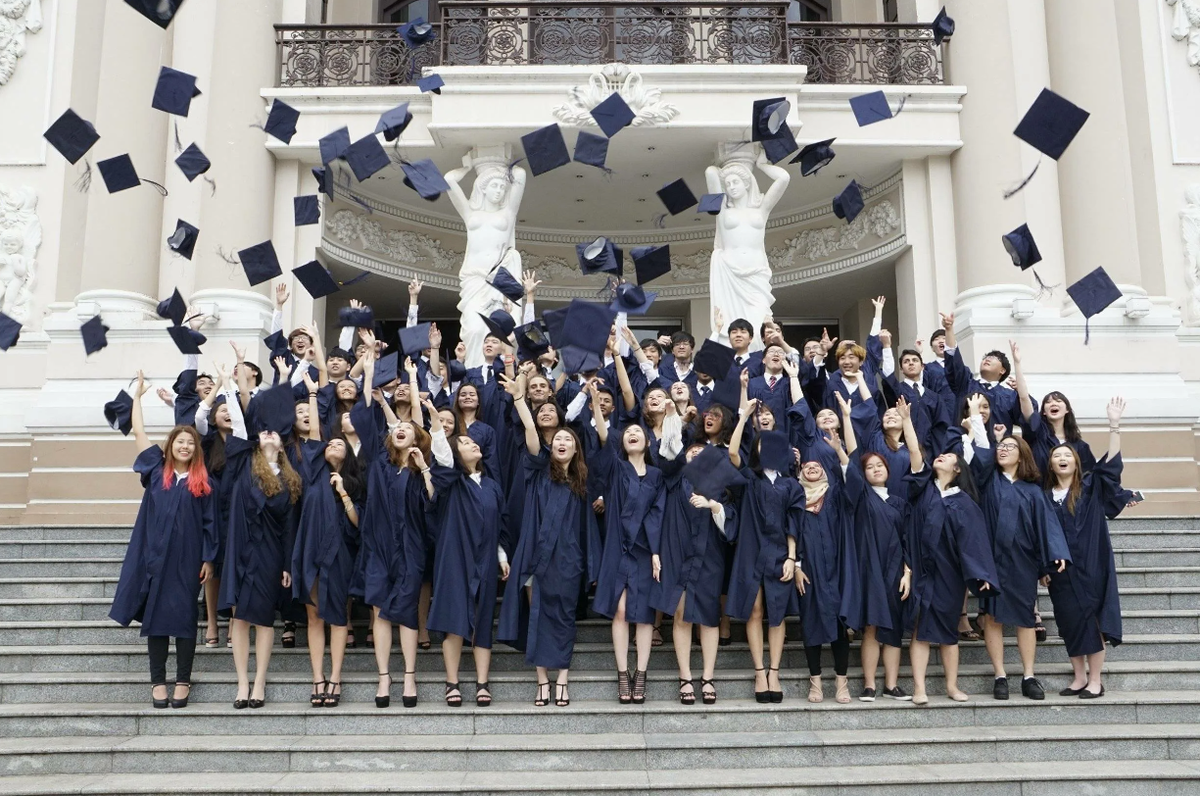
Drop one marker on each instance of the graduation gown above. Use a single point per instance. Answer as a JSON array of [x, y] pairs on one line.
[[767, 515], [1087, 607], [1026, 541], [557, 553], [694, 552], [175, 533], [471, 519], [393, 528], [326, 541], [825, 551], [222, 484], [878, 528], [949, 551], [633, 515]]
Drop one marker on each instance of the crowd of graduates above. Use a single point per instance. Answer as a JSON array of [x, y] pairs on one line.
[[746, 479]]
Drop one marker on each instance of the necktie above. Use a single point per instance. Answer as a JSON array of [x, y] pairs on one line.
[[771, 383]]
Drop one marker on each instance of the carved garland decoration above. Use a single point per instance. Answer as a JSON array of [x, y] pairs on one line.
[[646, 103]]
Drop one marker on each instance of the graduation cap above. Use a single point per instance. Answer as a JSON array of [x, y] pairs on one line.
[[532, 341], [456, 370], [260, 262], [417, 32], [545, 149], [432, 83], [711, 473], [192, 162], [281, 121], [677, 196], [599, 255], [1051, 124], [727, 392], [943, 26], [814, 157], [307, 209], [585, 334], [119, 413], [324, 178], [503, 280], [415, 339], [591, 149], [1021, 248], [10, 332], [782, 145], [276, 343], [554, 320], [887, 394], [315, 279], [187, 340], [386, 369], [334, 145], [173, 309], [183, 239], [632, 299], [1094, 292], [160, 12], [425, 178], [71, 135], [118, 173], [769, 117], [500, 324], [870, 108], [274, 409], [711, 203], [95, 335], [613, 115], [714, 360], [651, 262], [849, 203], [174, 91], [358, 317], [393, 122], [366, 157], [774, 452]]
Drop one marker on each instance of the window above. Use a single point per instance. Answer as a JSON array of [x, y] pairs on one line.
[[406, 11], [891, 12], [808, 11]]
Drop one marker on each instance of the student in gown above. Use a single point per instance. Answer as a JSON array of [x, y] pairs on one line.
[[557, 552], [326, 543], [1027, 543], [1087, 606], [469, 509], [949, 550], [170, 553], [399, 483], [764, 561]]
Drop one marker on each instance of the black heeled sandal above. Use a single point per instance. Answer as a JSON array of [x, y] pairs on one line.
[[181, 703], [561, 697], [538, 700], [762, 697], [331, 699], [453, 700], [689, 698], [483, 700], [776, 696], [384, 701], [424, 644], [656, 636], [639, 687], [709, 699], [288, 641], [410, 701], [624, 695], [318, 695], [160, 704]]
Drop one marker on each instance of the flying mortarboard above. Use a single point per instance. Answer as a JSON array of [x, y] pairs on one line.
[[366, 157], [118, 413], [711, 473], [386, 369], [585, 336], [814, 157], [727, 392], [774, 452], [613, 115], [943, 26], [545, 149], [432, 83], [714, 360], [187, 340], [392, 123], [677, 196], [769, 117], [711, 203], [554, 320], [870, 108], [315, 279], [532, 341], [95, 335], [781, 145], [274, 409], [260, 263], [417, 32], [849, 203], [1051, 124], [591, 149], [183, 239], [599, 255], [1021, 247], [334, 145], [173, 309], [358, 317], [174, 91], [415, 339], [118, 173], [632, 299], [503, 280], [1092, 295], [71, 135], [424, 177], [324, 178], [281, 121], [10, 332], [500, 324], [160, 12], [307, 209], [192, 162], [651, 262]]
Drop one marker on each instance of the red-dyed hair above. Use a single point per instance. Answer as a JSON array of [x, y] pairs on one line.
[[197, 473]]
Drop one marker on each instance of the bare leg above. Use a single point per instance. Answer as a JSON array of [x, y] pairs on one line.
[[891, 666], [993, 639], [239, 633], [408, 647], [337, 650], [264, 639], [451, 655], [483, 663], [644, 637], [710, 639], [870, 656], [775, 637], [1095, 669], [724, 625], [681, 638], [620, 636], [316, 645], [918, 656], [964, 624], [754, 638], [423, 612], [381, 629], [949, 656], [1081, 678], [1027, 646], [212, 590]]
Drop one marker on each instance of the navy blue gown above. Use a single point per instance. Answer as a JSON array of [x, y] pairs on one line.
[[326, 541], [471, 519], [392, 525], [222, 484], [878, 528], [825, 551], [1087, 607], [175, 533], [557, 553], [258, 547], [633, 516], [768, 515]]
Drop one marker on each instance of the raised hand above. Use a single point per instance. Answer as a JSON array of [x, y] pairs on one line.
[[335, 481], [460, 351], [1016, 352], [308, 382], [627, 333], [827, 342], [919, 344], [281, 367], [414, 290], [885, 338], [410, 367], [531, 283], [947, 320], [281, 295], [718, 318], [664, 340], [1115, 410], [418, 458], [142, 386], [999, 430], [843, 403], [744, 377], [238, 351], [165, 396], [196, 318], [902, 407], [975, 402], [791, 370], [435, 336], [879, 301]]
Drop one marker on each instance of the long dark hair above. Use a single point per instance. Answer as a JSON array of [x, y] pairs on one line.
[[558, 413], [1027, 469], [1070, 427], [963, 479], [458, 462], [350, 471], [726, 430], [460, 427], [1076, 488], [574, 475], [964, 411]]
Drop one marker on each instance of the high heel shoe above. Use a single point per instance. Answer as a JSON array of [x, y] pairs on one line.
[[562, 697], [776, 696], [538, 700], [815, 694], [709, 699], [483, 700], [639, 687], [255, 704], [384, 701], [331, 699], [285, 640], [623, 687], [688, 698], [842, 696], [409, 701], [762, 697], [453, 700], [160, 704], [318, 695], [181, 703]]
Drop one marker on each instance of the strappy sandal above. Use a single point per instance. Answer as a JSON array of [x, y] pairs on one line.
[[288, 639], [453, 700], [656, 638], [688, 698], [483, 700], [968, 635], [212, 642], [317, 700], [332, 700], [843, 690], [776, 696], [762, 697], [561, 697], [639, 686], [624, 694], [709, 699], [539, 701], [815, 693], [1039, 630], [424, 644]]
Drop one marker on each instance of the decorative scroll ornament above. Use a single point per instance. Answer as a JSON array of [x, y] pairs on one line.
[[818, 244], [17, 17], [1185, 26], [20, 237], [1189, 220], [401, 246], [645, 102]]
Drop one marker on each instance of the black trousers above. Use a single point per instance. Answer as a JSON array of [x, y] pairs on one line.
[[185, 653], [841, 655]]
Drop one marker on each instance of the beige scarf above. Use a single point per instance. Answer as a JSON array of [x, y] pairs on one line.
[[814, 493]]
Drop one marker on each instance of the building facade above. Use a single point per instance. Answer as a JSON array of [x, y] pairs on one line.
[[1125, 196]]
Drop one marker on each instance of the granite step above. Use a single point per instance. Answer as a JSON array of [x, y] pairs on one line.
[[63, 548], [114, 533]]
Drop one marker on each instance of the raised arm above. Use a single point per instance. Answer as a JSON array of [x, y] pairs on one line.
[[368, 363], [1022, 386], [948, 325], [414, 390], [1116, 408], [314, 423], [916, 460], [516, 388], [243, 376], [739, 430], [795, 389], [135, 419], [847, 425], [457, 197], [779, 182], [627, 396], [318, 350], [712, 179]]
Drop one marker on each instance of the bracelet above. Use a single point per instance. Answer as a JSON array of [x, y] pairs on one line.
[[312, 395], [1115, 429], [789, 558], [425, 471]]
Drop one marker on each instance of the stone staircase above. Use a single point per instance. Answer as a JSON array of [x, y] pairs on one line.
[[75, 714]]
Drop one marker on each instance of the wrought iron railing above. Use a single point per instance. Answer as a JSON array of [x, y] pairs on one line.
[[477, 33]]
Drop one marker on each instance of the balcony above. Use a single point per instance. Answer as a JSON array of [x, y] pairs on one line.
[[569, 32]]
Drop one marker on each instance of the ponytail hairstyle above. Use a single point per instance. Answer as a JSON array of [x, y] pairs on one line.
[[197, 473]]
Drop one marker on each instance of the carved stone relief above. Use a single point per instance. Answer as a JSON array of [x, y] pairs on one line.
[[403, 246], [20, 238], [818, 244], [1185, 26], [645, 102], [17, 18]]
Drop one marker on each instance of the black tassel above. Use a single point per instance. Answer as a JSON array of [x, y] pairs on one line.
[[229, 258], [161, 190], [1044, 290], [356, 279], [178, 143], [194, 317], [211, 184], [360, 202], [1014, 191], [258, 126], [84, 183], [660, 221], [508, 170], [1087, 332], [900, 107]]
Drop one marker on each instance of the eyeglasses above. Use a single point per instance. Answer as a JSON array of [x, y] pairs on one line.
[[1007, 446]]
